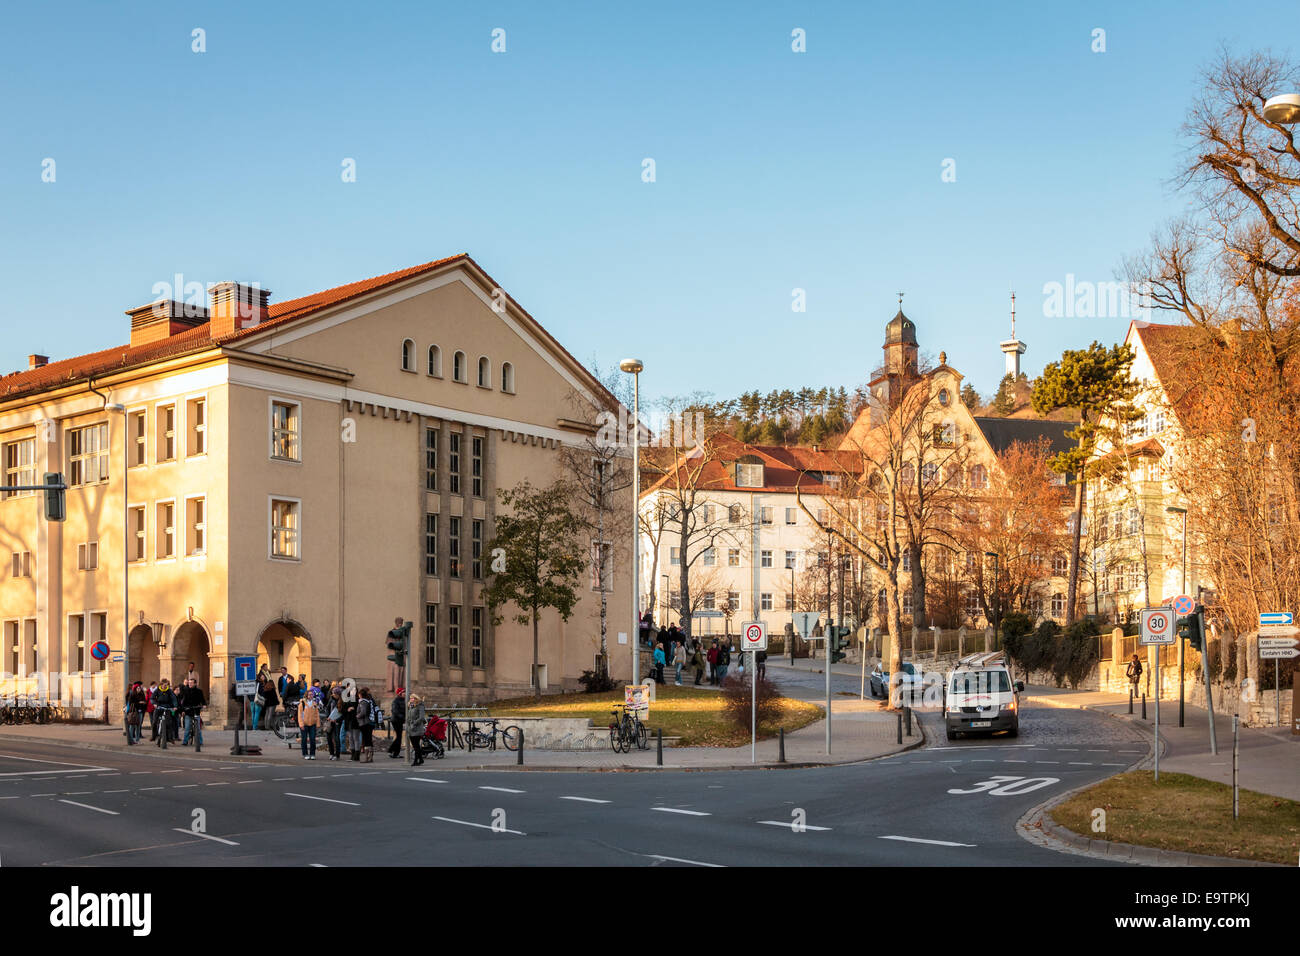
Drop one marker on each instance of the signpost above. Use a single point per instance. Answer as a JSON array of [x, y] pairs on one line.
[[1277, 643], [753, 638], [1158, 629], [245, 687]]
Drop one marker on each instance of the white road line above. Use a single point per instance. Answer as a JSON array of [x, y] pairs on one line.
[[317, 777], [932, 842], [75, 767], [1015, 761], [280, 779], [206, 836], [305, 796], [790, 825], [117, 791], [1067, 750], [184, 786], [143, 789], [503, 790], [677, 859], [87, 806], [10, 798], [223, 783], [1047, 761], [248, 781], [318, 865], [481, 826], [1112, 765], [340, 775], [171, 771], [371, 773], [956, 760], [691, 813], [1098, 751], [585, 799], [1080, 763], [42, 794], [80, 776], [76, 793], [136, 773], [982, 760], [1132, 751], [425, 780]]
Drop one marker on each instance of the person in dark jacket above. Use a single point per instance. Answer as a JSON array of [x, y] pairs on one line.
[[192, 700], [366, 724], [416, 722], [269, 701], [398, 718], [163, 720], [137, 702], [351, 728]]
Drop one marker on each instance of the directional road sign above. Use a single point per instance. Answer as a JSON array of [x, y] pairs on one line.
[[1183, 605], [1279, 630], [804, 622], [1276, 642], [1278, 653], [1274, 617], [753, 636], [1157, 626]]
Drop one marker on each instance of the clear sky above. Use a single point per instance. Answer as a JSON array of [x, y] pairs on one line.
[[774, 170]]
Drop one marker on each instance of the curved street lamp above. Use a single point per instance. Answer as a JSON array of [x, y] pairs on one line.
[[1284, 109], [634, 367]]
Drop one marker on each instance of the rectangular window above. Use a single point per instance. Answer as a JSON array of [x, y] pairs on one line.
[[196, 423], [733, 557], [789, 601], [196, 521], [476, 637], [77, 640], [431, 545], [88, 556], [453, 463], [166, 530], [431, 635], [1133, 521], [708, 601], [765, 600], [749, 476], [286, 444], [21, 564], [166, 444], [765, 515], [675, 557], [476, 467], [791, 558], [12, 649], [765, 559], [907, 560], [431, 459], [138, 432], [453, 635], [476, 548], [286, 525], [709, 557], [137, 534], [20, 466], [602, 565], [98, 632], [453, 546], [733, 600], [87, 455], [791, 515]]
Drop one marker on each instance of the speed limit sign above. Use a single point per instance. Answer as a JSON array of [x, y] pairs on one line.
[[753, 636], [1157, 626]]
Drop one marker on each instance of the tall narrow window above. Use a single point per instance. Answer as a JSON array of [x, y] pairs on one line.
[[88, 556], [408, 356], [137, 534], [431, 459], [285, 442], [508, 378], [435, 361], [196, 520], [196, 423], [87, 455], [476, 466], [453, 546], [99, 632], [138, 427], [12, 649], [431, 635], [476, 637], [453, 462], [476, 546], [453, 635], [166, 443], [166, 526], [77, 640], [286, 522], [602, 565], [431, 545], [20, 466], [458, 371], [484, 372]]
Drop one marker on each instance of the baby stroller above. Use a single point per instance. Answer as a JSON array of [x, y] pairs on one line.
[[434, 741]]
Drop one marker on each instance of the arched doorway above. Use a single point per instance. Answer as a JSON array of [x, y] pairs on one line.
[[285, 644], [190, 645], [142, 656]]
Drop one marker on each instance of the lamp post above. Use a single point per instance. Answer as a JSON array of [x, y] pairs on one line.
[[1182, 651], [634, 367], [663, 600], [997, 598], [126, 563]]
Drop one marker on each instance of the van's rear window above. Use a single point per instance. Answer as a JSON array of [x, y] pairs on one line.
[[980, 682]]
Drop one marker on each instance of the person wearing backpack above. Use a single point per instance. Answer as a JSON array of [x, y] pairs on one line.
[[724, 659], [334, 719], [366, 724], [398, 719], [351, 729]]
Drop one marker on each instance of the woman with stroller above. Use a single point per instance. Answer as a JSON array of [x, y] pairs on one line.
[[416, 721]]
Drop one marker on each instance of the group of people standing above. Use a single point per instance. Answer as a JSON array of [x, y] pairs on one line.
[[671, 647], [164, 707]]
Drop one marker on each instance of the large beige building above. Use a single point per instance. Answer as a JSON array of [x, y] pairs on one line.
[[297, 475]]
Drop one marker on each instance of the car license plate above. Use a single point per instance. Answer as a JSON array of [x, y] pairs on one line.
[[981, 723]]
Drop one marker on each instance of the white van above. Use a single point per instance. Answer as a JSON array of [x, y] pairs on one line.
[[980, 697]]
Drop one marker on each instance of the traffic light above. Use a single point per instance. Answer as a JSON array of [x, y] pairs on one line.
[[55, 502], [838, 641], [1192, 628], [399, 640]]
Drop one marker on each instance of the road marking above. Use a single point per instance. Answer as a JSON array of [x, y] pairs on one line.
[[280, 779], [692, 813], [42, 794], [184, 786], [316, 777], [789, 825], [206, 836], [1015, 761], [81, 776], [425, 780], [80, 768], [223, 783], [503, 789], [1132, 751], [247, 781], [340, 775], [371, 773], [117, 791], [932, 842], [982, 760], [1112, 765], [1080, 763], [677, 859], [87, 806], [143, 789], [318, 865], [12, 798], [305, 796], [1097, 751], [1067, 750], [136, 773], [171, 771], [482, 826], [585, 799], [955, 760], [1047, 761]]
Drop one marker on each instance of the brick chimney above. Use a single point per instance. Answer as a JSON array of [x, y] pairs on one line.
[[163, 319], [37, 361], [236, 306]]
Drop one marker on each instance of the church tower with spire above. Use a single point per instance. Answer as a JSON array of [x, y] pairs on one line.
[[900, 345]]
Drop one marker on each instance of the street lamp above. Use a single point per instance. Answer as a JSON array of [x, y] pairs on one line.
[[792, 606], [1283, 109], [997, 598], [1181, 651], [634, 367], [126, 563]]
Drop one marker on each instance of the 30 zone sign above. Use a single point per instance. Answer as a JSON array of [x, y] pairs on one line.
[[1157, 626]]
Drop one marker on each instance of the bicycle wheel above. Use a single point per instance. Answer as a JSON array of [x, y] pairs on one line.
[[511, 737], [614, 743], [280, 724], [641, 734]]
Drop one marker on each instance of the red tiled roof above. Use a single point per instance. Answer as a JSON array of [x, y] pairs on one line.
[[784, 467]]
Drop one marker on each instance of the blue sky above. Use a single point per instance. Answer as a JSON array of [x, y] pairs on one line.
[[774, 170]]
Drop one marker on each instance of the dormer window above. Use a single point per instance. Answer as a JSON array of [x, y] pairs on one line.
[[749, 472]]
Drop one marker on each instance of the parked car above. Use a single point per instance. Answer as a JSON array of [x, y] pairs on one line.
[[911, 681]]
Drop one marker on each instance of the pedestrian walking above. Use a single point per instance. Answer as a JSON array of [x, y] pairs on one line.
[[308, 721], [659, 663], [761, 660], [713, 661], [366, 725], [1134, 673], [416, 722], [398, 719], [697, 661], [270, 698], [351, 729], [192, 700], [679, 661], [333, 709], [133, 712], [724, 660]]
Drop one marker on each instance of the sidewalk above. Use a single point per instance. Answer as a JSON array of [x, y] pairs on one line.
[[1268, 759], [860, 730]]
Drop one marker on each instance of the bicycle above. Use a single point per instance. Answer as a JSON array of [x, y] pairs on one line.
[[196, 732], [627, 729], [166, 731], [487, 739]]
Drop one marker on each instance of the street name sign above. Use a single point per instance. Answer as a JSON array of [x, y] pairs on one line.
[[1278, 630], [1274, 617], [245, 688], [1276, 642], [804, 622], [1278, 653], [1157, 626], [753, 636]]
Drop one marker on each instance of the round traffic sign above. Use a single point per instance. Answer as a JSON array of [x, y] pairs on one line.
[[99, 651], [754, 634], [1158, 622], [1184, 604]]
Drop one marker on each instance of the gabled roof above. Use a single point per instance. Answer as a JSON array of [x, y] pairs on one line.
[[1002, 433], [785, 468], [1167, 346]]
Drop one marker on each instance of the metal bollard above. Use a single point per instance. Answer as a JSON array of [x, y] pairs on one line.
[[907, 716], [1130, 700], [659, 746], [781, 746], [519, 755], [900, 727], [1144, 705]]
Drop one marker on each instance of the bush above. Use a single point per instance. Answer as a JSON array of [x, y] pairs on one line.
[[1016, 629], [1229, 644], [1039, 648], [596, 682], [736, 699], [1076, 652]]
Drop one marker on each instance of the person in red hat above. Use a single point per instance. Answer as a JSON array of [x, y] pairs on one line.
[[398, 718]]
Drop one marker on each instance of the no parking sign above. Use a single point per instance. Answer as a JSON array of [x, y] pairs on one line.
[[753, 636]]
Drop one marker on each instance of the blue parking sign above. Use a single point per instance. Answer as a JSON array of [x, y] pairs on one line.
[[245, 668]]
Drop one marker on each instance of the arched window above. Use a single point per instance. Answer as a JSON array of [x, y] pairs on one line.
[[484, 372], [978, 477], [507, 377], [458, 371], [435, 361], [408, 356]]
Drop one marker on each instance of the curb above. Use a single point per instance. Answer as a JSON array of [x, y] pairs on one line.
[[1141, 855], [221, 755]]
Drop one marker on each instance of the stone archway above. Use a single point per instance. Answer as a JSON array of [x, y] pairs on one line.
[[142, 656], [287, 644], [190, 643]]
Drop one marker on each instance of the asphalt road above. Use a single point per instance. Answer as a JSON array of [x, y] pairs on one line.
[[944, 805]]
